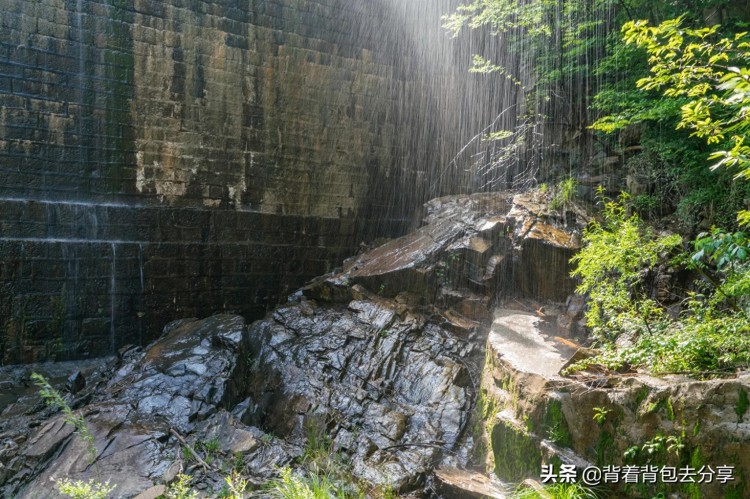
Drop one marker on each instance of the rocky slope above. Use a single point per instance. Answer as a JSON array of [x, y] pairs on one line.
[[398, 362], [382, 357]]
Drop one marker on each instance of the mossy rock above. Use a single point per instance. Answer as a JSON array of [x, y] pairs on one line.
[[517, 453], [555, 423]]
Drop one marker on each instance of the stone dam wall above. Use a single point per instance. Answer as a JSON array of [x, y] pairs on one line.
[[171, 159]]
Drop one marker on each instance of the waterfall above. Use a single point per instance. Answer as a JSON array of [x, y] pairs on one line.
[[112, 301]]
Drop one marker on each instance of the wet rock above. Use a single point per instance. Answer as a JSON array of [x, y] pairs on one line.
[[128, 456], [392, 387], [484, 243], [230, 435], [521, 344], [187, 373], [454, 483], [545, 418], [382, 357], [48, 439], [75, 382], [180, 381], [571, 321]]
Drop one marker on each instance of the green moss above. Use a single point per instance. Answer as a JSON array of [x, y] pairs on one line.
[[742, 404], [487, 408], [696, 459], [640, 396], [605, 449], [509, 385], [737, 489], [734, 492], [517, 455], [669, 409], [693, 490], [485, 413], [664, 405], [555, 423], [529, 424]]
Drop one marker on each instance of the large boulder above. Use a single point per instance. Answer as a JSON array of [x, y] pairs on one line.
[[618, 421], [140, 413], [497, 245], [389, 387]]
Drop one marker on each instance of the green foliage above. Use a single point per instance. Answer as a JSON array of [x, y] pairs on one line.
[[600, 415], [691, 78], [291, 486], [558, 42], [556, 424], [645, 205], [706, 89], [323, 473], [556, 491], [187, 454], [712, 334], [560, 39], [565, 193], [53, 399], [657, 450], [211, 446], [686, 88], [611, 266], [500, 16], [181, 489], [707, 70], [672, 79], [318, 447], [84, 490], [235, 486], [726, 253], [720, 248], [498, 135]]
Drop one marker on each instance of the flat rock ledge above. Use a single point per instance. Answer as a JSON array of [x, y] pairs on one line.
[[544, 418]]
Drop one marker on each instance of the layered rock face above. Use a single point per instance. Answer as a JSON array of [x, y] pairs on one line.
[[416, 359], [387, 376], [166, 159]]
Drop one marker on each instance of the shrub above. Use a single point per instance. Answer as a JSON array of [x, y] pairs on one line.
[[84, 490]]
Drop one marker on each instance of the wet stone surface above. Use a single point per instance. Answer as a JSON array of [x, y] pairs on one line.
[[392, 389], [382, 358], [133, 410]]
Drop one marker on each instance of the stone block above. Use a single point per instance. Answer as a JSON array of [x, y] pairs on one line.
[[241, 111]]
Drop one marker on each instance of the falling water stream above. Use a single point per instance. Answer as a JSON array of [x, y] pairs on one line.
[[113, 301], [183, 228]]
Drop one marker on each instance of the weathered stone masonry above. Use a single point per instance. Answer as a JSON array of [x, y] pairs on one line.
[[168, 159]]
